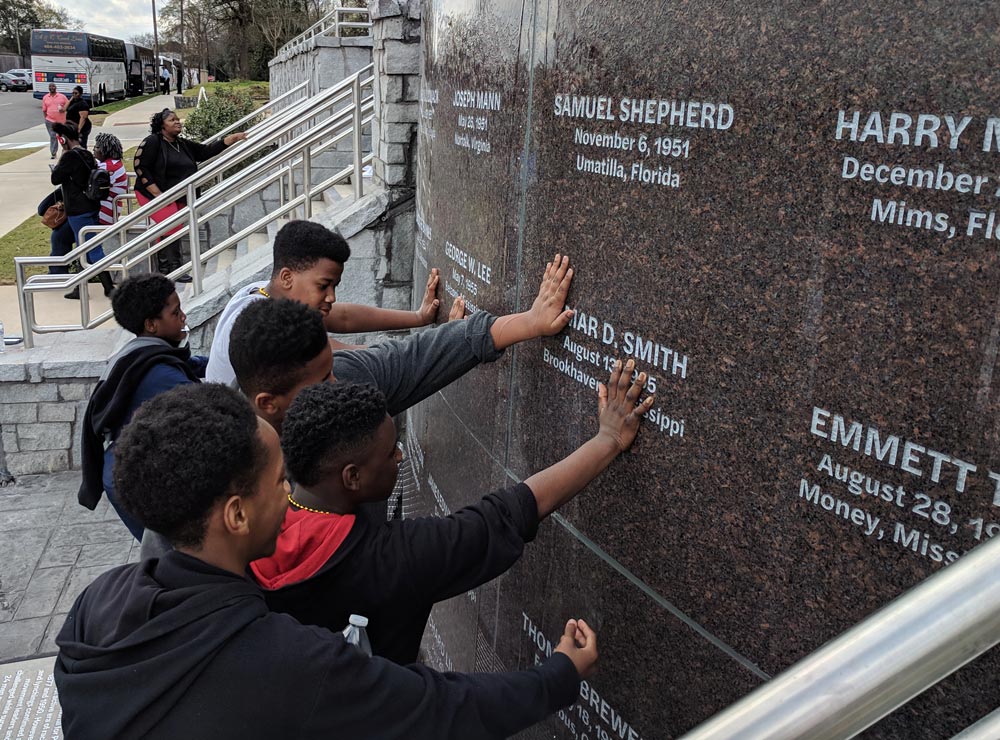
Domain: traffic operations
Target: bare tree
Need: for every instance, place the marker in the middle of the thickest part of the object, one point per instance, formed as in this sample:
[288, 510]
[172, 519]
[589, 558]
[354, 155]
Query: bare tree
[142, 39]
[51, 15]
[277, 20]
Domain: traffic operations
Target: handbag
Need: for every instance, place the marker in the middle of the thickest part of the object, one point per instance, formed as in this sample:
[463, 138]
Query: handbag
[54, 216]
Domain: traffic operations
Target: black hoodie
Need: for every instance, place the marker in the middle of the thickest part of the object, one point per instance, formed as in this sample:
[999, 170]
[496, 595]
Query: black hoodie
[176, 647]
[110, 406]
[328, 566]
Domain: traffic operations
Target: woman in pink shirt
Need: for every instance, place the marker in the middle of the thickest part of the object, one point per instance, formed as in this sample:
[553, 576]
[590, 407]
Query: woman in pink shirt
[54, 109]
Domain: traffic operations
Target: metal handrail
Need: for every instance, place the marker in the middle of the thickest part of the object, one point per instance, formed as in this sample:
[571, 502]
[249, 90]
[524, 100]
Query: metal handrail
[196, 180]
[879, 664]
[988, 728]
[297, 150]
[299, 146]
[323, 25]
[259, 136]
[302, 86]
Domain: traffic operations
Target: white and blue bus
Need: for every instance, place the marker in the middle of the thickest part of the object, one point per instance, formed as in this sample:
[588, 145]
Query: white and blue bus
[71, 58]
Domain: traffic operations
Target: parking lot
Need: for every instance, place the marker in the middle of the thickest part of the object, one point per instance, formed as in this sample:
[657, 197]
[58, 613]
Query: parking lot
[18, 111]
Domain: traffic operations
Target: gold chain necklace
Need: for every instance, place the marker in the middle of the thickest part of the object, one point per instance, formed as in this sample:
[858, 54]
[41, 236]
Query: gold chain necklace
[263, 292]
[295, 503]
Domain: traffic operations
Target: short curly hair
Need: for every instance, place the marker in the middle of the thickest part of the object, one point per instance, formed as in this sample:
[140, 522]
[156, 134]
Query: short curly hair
[156, 121]
[324, 423]
[270, 343]
[183, 451]
[301, 244]
[141, 297]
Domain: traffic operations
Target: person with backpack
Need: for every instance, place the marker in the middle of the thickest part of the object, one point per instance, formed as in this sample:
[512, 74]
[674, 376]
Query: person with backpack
[84, 186]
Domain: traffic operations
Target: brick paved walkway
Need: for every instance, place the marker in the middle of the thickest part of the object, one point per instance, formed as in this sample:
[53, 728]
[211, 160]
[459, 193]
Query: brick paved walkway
[50, 549]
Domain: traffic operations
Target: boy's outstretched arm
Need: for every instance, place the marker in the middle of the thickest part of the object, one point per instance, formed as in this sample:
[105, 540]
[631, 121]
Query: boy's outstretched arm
[437, 558]
[619, 413]
[548, 314]
[410, 369]
[351, 318]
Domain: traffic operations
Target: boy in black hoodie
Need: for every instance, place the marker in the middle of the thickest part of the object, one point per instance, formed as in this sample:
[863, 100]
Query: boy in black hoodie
[340, 446]
[184, 645]
[148, 306]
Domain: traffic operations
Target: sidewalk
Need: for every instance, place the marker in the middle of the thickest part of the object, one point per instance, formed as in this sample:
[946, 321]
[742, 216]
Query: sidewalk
[23, 183]
[50, 549]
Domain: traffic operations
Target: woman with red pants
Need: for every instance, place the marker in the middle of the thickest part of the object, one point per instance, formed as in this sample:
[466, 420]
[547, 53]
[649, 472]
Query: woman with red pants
[164, 159]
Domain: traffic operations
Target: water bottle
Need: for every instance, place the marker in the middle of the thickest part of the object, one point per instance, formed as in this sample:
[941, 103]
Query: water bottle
[3, 342]
[355, 633]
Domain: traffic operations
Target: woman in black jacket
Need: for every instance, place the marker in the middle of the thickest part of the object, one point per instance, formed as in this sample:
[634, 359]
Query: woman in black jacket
[163, 160]
[73, 173]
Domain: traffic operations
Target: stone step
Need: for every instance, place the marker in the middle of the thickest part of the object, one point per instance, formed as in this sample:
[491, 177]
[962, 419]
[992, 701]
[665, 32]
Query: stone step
[258, 240]
[224, 260]
[273, 227]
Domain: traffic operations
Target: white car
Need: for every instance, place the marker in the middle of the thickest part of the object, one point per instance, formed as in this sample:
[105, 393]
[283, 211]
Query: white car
[25, 73]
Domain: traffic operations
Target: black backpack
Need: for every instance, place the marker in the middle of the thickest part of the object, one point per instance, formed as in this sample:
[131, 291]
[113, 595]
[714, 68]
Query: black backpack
[98, 183]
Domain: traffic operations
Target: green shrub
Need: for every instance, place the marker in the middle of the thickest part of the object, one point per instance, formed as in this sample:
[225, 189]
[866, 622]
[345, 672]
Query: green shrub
[217, 112]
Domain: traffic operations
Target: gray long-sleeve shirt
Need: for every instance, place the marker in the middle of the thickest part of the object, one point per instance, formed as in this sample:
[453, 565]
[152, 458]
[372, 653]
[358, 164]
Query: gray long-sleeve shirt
[406, 370]
[409, 370]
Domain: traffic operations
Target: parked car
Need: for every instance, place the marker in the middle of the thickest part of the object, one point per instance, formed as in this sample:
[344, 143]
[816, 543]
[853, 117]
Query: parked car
[25, 73]
[12, 82]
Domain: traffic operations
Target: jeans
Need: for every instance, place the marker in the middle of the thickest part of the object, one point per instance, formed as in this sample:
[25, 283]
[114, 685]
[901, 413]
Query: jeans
[77, 223]
[133, 526]
[61, 239]
[53, 144]
[61, 242]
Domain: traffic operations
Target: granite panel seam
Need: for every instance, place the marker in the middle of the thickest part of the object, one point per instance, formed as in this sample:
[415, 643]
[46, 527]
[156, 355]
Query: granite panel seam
[657, 597]
[522, 217]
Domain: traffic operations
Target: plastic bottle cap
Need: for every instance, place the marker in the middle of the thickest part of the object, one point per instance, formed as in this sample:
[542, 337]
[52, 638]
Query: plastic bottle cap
[358, 621]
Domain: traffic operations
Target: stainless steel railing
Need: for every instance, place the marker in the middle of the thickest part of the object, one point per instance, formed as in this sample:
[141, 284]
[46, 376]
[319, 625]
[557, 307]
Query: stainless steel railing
[300, 91]
[879, 664]
[988, 728]
[332, 24]
[286, 144]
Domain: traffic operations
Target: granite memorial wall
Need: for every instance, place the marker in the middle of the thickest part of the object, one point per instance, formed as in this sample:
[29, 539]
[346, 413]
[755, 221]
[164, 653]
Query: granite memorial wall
[788, 216]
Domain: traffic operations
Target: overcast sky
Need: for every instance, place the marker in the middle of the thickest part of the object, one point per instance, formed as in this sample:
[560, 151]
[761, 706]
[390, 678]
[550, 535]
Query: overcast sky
[117, 18]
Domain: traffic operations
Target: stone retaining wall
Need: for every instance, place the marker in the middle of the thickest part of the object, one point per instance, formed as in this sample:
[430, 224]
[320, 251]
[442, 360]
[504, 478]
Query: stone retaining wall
[327, 62]
[43, 397]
